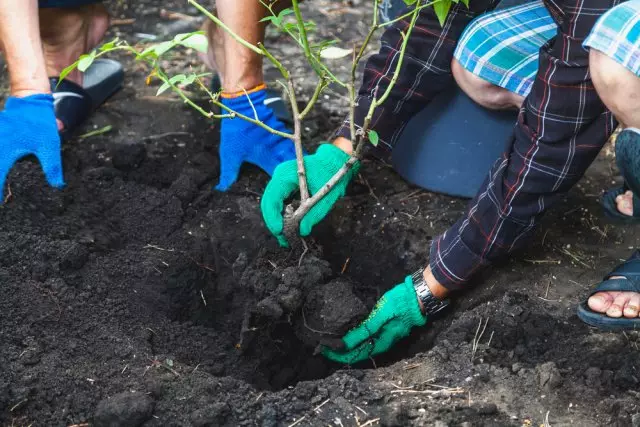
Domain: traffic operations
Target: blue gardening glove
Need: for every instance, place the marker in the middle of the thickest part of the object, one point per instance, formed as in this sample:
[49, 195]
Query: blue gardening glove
[28, 127]
[241, 141]
[393, 317]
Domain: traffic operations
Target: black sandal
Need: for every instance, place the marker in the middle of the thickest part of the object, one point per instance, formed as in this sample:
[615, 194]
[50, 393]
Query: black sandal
[74, 103]
[628, 160]
[630, 270]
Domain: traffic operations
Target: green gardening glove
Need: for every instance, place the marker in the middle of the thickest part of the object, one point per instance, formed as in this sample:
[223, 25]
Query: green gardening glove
[320, 167]
[391, 319]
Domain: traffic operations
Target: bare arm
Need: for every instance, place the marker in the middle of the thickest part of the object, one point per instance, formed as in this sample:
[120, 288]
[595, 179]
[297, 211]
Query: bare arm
[20, 41]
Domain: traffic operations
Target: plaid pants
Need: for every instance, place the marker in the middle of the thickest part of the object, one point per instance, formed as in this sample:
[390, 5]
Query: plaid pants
[560, 129]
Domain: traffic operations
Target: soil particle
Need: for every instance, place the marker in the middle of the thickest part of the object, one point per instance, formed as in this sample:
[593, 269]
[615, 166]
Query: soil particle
[124, 410]
[394, 415]
[128, 156]
[330, 310]
[216, 414]
[635, 420]
[549, 377]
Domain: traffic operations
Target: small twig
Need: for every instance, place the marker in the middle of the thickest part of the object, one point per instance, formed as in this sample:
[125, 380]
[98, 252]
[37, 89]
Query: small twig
[546, 293]
[164, 135]
[317, 408]
[9, 195]
[370, 422]
[371, 189]
[478, 337]
[304, 252]
[177, 16]
[297, 422]
[126, 21]
[361, 410]
[543, 261]
[96, 132]
[413, 366]
[576, 259]
[149, 246]
[202, 296]
[14, 407]
[345, 265]
[444, 392]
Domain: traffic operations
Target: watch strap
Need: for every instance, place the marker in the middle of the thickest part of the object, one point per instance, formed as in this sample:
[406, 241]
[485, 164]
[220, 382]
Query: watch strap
[430, 303]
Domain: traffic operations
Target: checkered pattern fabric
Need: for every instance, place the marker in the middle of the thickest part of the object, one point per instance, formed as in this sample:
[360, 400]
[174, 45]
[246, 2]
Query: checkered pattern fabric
[617, 35]
[560, 129]
[502, 47]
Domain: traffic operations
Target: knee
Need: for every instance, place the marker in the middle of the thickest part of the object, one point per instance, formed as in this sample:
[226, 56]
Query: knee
[482, 92]
[616, 86]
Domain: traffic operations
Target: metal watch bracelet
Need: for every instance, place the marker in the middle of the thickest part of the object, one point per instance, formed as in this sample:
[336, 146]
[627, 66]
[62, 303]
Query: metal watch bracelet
[431, 305]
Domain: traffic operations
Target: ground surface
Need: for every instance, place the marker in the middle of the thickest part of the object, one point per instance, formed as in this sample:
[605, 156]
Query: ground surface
[137, 295]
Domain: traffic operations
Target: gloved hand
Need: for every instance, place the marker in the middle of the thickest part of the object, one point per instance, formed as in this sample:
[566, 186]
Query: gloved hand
[241, 141]
[28, 126]
[320, 167]
[391, 319]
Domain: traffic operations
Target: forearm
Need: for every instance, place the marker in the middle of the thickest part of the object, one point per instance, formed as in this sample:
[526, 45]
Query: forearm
[20, 41]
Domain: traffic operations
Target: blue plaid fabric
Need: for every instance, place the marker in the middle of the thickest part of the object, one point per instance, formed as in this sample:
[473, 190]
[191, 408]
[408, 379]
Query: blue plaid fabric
[617, 35]
[503, 47]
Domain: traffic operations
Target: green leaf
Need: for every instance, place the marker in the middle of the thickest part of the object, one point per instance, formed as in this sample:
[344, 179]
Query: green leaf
[441, 8]
[180, 79]
[64, 73]
[285, 12]
[410, 2]
[197, 42]
[161, 48]
[269, 18]
[110, 45]
[374, 138]
[85, 61]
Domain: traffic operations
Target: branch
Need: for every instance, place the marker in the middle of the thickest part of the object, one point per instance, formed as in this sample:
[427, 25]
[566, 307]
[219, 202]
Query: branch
[306, 206]
[314, 98]
[304, 40]
[297, 142]
[377, 102]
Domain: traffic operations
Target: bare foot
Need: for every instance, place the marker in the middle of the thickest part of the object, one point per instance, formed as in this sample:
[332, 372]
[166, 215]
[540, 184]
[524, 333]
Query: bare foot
[68, 33]
[616, 304]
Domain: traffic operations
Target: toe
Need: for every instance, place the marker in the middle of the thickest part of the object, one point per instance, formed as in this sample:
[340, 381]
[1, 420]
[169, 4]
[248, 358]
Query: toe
[624, 203]
[620, 300]
[601, 301]
[632, 307]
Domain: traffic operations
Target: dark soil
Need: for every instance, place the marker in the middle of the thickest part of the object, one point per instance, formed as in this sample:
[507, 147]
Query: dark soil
[139, 296]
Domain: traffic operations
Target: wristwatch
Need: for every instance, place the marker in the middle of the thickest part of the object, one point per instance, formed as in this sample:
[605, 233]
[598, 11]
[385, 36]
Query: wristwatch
[430, 304]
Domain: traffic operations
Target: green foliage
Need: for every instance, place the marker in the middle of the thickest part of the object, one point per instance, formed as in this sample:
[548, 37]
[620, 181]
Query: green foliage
[374, 138]
[441, 8]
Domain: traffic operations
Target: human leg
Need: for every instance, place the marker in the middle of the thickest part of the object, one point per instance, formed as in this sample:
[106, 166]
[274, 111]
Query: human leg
[615, 69]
